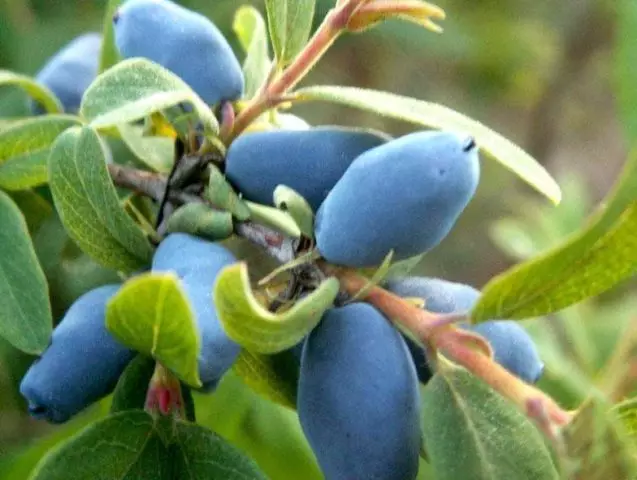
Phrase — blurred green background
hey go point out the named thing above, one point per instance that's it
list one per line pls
(541, 73)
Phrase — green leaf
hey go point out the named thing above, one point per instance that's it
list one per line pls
(625, 67)
(200, 454)
(470, 431)
(40, 93)
(275, 218)
(25, 148)
(220, 194)
(597, 443)
(586, 264)
(125, 446)
(402, 268)
(158, 153)
(201, 220)
(290, 24)
(136, 88)
(36, 210)
(377, 277)
(432, 115)
(248, 323)
(132, 386)
(25, 313)
(151, 314)
(109, 55)
(250, 28)
(274, 377)
(292, 202)
(88, 204)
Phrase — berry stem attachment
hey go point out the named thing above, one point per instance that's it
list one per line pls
(272, 94)
(431, 331)
(164, 396)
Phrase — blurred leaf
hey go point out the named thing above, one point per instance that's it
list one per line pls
(584, 265)
(201, 220)
(470, 431)
(158, 153)
(402, 268)
(248, 323)
(437, 116)
(625, 67)
(25, 313)
(275, 218)
(88, 204)
(221, 194)
(377, 277)
(415, 11)
(597, 446)
(109, 55)
(25, 148)
(626, 412)
(274, 377)
(135, 88)
(199, 454)
(251, 29)
(40, 93)
(36, 210)
(290, 24)
(151, 314)
(292, 202)
(129, 447)
(510, 236)
(132, 386)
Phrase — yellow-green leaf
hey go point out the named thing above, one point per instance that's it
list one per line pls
(151, 314)
(25, 148)
(290, 23)
(109, 55)
(251, 29)
(158, 153)
(88, 204)
(432, 115)
(275, 218)
(40, 93)
(251, 325)
(292, 202)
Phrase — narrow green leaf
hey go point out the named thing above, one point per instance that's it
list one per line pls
(151, 314)
(200, 454)
(124, 446)
(275, 218)
(402, 268)
(88, 204)
(158, 153)
(36, 210)
(290, 24)
(252, 32)
(470, 431)
(274, 377)
(292, 202)
(201, 220)
(625, 66)
(25, 313)
(586, 264)
(40, 93)
(432, 115)
(220, 194)
(25, 148)
(131, 389)
(109, 55)
(377, 277)
(597, 443)
(248, 323)
(136, 88)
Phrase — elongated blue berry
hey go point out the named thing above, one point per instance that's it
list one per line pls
(81, 365)
(403, 196)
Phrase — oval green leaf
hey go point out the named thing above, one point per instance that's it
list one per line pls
(221, 195)
(151, 314)
(290, 24)
(248, 323)
(25, 148)
(251, 30)
(157, 153)
(88, 204)
(38, 92)
(124, 446)
(470, 431)
(25, 313)
(292, 202)
(201, 220)
(136, 88)
(432, 115)
(275, 218)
